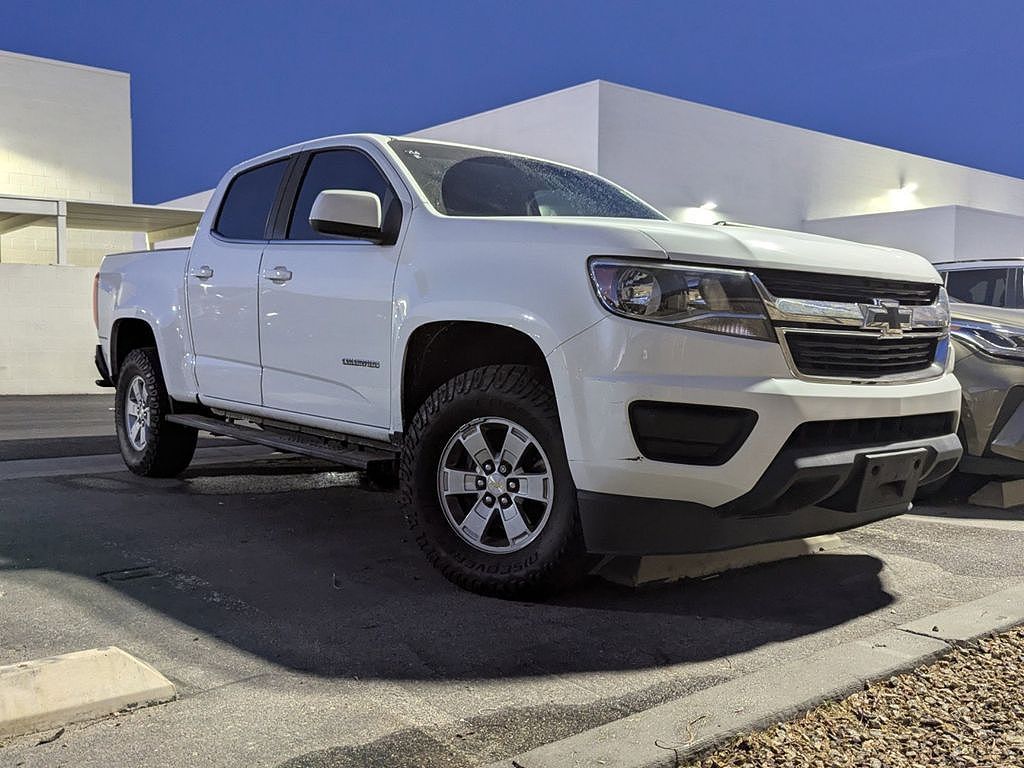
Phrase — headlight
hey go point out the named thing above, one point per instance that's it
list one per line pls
(696, 298)
(990, 338)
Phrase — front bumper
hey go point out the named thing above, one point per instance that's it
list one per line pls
(600, 372)
(802, 493)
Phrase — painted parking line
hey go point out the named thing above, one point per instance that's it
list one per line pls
(97, 465)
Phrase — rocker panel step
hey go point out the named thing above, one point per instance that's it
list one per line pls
(338, 451)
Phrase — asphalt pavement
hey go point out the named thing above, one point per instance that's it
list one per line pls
(301, 627)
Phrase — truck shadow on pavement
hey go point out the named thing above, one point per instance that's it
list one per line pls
(308, 570)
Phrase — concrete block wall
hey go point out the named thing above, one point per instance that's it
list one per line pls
(48, 336)
(65, 132)
(38, 245)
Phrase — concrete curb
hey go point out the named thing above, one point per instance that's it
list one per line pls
(47, 693)
(667, 734)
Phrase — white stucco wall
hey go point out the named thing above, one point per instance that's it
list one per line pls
(930, 232)
(65, 132)
(560, 126)
(947, 233)
(678, 154)
(988, 235)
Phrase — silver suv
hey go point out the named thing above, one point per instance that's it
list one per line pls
(987, 306)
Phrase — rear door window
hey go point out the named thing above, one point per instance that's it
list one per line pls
(978, 286)
(249, 201)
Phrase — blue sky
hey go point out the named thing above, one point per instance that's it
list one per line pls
(215, 82)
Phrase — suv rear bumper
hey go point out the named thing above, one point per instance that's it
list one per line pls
(802, 493)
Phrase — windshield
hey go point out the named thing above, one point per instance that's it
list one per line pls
(462, 181)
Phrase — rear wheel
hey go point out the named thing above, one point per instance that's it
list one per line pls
(486, 488)
(149, 445)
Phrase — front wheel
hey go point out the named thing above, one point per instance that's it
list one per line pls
(486, 488)
(150, 446)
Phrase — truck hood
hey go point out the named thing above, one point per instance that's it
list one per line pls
(749, 246)
(730, 245)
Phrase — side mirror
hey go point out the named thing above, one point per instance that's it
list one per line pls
(348, 213)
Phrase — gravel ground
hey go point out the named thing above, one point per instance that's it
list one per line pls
(966, 709)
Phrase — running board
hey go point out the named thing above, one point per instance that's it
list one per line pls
(338, 451)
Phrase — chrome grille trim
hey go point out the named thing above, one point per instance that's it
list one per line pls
(809, 316)
(783, 310)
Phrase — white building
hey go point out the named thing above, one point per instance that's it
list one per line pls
(65, 201)
(68, 135)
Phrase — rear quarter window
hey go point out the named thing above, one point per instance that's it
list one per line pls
(978, 286)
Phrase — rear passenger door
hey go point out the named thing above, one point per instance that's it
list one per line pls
(221, 287)
(325, 330)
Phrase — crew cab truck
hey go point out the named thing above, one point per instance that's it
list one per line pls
(555, 369)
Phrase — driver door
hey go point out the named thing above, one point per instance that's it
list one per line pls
(326, 307)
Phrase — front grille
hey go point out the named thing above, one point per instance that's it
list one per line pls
(851, 433)
(859, 356)
(845, 288)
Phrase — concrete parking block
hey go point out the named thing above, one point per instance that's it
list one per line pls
(1001, 494)
(633, 571)
(85, 685)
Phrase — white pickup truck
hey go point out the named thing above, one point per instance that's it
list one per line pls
(550, 367)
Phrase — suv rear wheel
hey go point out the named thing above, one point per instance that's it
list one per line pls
(149, 445)
(486, 488)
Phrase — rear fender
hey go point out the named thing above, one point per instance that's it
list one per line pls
(150, 286)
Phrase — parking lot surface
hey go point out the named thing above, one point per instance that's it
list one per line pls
(302, 629)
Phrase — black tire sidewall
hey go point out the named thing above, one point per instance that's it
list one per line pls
(169, 447)
(136, 364)
(490, 572)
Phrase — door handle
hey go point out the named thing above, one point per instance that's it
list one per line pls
(204, 272)
(277, 275)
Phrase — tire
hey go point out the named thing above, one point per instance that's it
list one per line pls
(156, 448)
(534, 546)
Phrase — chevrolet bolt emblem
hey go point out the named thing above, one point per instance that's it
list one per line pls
(888, 316)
